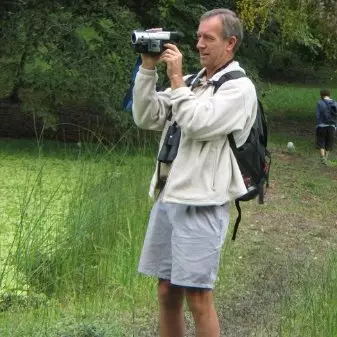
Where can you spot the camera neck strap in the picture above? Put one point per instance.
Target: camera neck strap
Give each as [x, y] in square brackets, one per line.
[224, 66]
[195, 79]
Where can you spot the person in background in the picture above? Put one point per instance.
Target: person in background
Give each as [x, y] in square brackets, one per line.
[325, 124]
[190, 217]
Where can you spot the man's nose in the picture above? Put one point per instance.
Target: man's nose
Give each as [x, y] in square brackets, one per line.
[200, 44]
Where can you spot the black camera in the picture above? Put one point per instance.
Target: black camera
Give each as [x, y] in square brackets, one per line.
[152, 42]
[170, 146]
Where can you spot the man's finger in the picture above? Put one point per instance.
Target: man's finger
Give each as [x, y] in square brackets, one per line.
[171, 46]
[154, 30]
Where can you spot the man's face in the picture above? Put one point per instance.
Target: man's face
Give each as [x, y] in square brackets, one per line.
[213, 49]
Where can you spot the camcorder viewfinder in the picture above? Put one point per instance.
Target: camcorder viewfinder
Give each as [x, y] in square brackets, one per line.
[152, 42]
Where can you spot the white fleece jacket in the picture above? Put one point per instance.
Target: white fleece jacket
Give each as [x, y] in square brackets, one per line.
[205, 171]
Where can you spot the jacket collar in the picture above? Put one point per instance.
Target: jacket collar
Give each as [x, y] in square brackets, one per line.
[234, 65]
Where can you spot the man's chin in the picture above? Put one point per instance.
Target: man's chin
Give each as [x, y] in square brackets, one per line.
[203, 62]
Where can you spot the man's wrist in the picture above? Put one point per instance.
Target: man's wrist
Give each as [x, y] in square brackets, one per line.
[148, 66]
[177, 81]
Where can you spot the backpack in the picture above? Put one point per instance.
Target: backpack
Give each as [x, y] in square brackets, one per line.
[330, 114]
[253, 157]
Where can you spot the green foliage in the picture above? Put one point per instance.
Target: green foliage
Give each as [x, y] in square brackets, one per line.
[65, 57]
[184, 16]
[284, 37]
[56, 54]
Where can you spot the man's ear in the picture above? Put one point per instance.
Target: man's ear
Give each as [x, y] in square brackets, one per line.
[231, 43]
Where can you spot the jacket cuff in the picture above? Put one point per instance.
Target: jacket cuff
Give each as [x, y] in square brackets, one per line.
[178, 92]
[148, 72]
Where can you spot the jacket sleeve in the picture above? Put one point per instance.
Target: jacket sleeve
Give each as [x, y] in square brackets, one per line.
[228, 110]
[149, 108]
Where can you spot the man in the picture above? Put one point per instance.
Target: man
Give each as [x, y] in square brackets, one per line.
[325, 124]
[190, 217]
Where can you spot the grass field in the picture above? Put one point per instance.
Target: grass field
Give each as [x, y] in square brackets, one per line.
[72, 223]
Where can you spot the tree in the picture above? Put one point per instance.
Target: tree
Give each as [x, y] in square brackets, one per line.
[298, 22]
[56, 53]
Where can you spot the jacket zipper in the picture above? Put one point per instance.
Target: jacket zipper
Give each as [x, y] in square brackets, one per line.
[214, 168]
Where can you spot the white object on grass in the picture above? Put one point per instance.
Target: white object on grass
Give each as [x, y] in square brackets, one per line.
[291, 146]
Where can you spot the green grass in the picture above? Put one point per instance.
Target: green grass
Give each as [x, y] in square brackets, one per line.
[293, 102]
[72, 227]
[73, 219]
[310, 310]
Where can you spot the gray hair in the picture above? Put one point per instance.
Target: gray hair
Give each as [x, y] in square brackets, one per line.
[231, 24]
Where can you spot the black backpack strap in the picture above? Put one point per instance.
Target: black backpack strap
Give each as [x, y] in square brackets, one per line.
[264, 122]
[238, 219]
[268, 155]
[189, 80]
[237, 202]
[232, 143]
[232, 75]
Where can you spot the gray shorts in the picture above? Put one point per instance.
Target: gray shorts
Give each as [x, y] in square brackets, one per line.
[183, 243]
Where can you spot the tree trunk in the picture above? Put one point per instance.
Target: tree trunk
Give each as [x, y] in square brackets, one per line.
[18, 81]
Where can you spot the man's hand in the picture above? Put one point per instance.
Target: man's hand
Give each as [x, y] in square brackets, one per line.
[150, 61]
[174, 62]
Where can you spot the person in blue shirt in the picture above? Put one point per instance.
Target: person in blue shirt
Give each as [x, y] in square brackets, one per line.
[325, 124]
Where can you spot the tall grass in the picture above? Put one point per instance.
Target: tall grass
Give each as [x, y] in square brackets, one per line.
[77, 226]
[309, 308]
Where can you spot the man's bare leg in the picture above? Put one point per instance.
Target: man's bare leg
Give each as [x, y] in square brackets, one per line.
[324, 159]
[171, 315]
[200, 302]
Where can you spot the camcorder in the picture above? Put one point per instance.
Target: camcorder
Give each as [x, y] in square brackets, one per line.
[152, 42]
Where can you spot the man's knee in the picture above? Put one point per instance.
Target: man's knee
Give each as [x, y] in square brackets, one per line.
[169, 295]
[199, 301]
